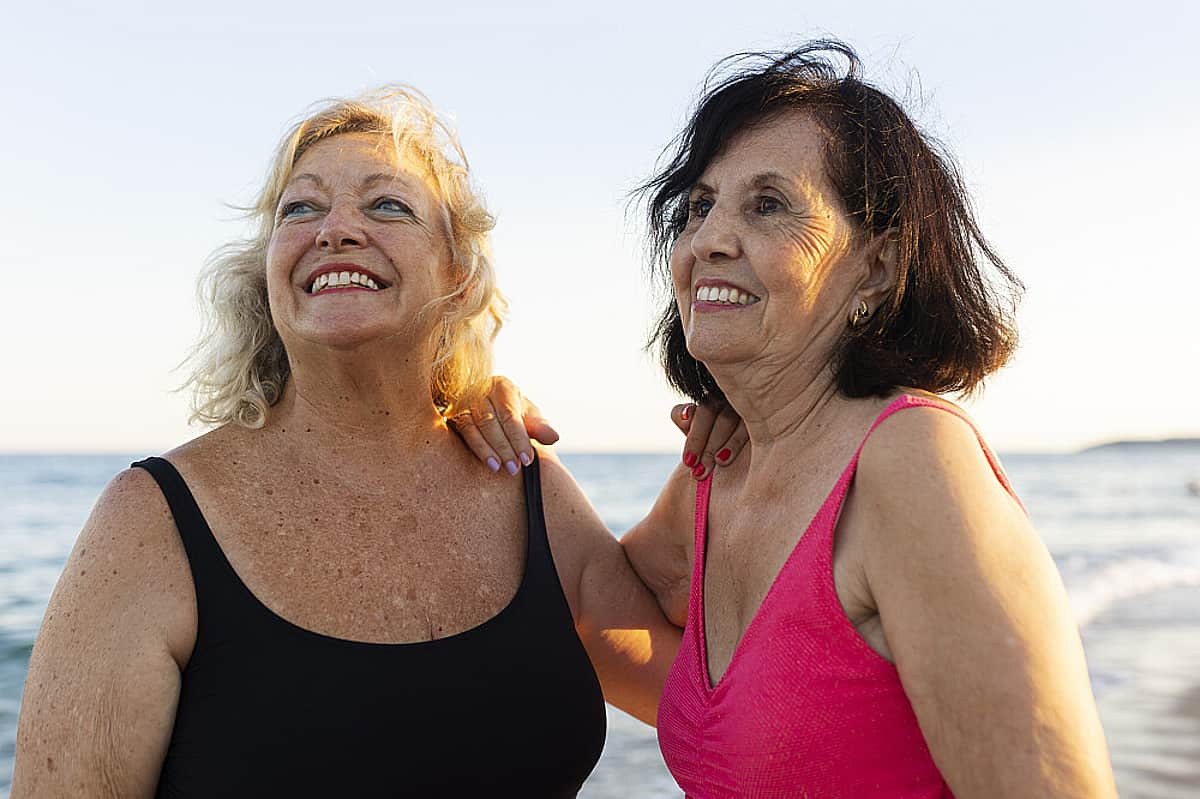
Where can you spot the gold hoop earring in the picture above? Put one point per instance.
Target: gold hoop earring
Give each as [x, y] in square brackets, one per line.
[860, 314]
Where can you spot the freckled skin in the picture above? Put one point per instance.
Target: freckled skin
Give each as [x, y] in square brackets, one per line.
[353, 511]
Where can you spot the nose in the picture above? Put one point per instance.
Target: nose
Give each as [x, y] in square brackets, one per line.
[716, 239]
[341, 229]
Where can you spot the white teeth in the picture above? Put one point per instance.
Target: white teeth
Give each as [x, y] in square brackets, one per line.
[337, 279]
[724, 294]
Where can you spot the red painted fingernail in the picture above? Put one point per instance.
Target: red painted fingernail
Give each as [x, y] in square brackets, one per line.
[686, 413]
[699, 470]
[724, 454]
[689, 459]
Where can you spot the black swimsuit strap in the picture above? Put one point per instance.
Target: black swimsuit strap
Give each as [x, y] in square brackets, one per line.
[203, 553]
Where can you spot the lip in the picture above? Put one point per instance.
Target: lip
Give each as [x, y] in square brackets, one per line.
[344, 267]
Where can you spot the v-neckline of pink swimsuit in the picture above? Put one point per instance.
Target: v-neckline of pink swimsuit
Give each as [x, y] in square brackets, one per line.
[805, 707]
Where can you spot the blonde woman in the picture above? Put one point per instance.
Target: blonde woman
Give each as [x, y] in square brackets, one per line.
[325, 595]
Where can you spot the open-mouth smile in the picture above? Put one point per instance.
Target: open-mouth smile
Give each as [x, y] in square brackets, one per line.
[334, 278]
[723, 294]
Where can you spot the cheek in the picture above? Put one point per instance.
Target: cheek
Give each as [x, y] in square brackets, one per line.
[284, 250]
[681, 277]
[681, 265]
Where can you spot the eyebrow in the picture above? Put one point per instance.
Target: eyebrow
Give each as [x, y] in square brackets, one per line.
[309, 176]
[764, 178]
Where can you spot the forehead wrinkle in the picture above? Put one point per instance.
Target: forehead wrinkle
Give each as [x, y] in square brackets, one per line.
[398, 176]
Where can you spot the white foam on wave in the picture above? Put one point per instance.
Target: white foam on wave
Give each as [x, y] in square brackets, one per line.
[1094, 593]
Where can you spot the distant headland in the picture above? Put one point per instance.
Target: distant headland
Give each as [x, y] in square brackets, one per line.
[1163, 443]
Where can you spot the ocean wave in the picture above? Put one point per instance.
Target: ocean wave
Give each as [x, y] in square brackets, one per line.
[1094, 593]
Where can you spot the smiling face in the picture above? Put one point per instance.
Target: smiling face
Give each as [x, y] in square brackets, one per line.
[765, 265]
[359, 247]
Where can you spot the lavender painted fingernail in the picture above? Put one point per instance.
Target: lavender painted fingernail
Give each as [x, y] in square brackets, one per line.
[493, 464]
[511, 466]
[526, 458]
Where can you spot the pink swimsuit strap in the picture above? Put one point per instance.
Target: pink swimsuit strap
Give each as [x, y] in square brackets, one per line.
[838, 494]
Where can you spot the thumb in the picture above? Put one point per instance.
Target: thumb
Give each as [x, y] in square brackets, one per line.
[536, 425]
[682, 415]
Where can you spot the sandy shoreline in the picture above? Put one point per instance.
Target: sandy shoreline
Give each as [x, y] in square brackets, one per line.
[1141, 656]
[1188, 707]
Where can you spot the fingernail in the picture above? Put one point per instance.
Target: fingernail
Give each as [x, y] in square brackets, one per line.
[511, 466]
[724, 454]
[493, 464]
[698, 471]
[526, 458]
[686, 413]
[689, 459]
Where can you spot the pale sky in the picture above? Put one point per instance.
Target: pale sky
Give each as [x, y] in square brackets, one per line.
[128, 128]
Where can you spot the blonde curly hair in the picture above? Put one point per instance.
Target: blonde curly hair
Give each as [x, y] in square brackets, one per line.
[239, 367]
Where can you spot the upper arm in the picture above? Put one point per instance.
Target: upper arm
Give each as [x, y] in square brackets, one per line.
[103, 679]
[976, 617]
[660, 546]
[629, 641]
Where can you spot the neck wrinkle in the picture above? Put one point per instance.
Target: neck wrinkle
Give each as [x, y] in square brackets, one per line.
[351, 400]
[786, 409]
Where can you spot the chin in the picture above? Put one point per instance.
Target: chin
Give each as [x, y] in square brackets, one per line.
[711, 350]
[350, 337]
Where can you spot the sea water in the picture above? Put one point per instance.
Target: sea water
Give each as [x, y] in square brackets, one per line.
[1122, 523]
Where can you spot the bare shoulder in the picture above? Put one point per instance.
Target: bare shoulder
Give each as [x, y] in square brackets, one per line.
[130, 516]
[103, 677]
[575, 530]
[129, 556]
[556, 480]
[931, 500]
[975, 614]
[563, 501]
[922, 454]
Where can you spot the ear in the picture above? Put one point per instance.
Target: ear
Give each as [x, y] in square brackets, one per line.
[882, 269]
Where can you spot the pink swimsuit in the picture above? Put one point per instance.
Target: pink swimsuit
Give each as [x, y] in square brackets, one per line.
[806, 708]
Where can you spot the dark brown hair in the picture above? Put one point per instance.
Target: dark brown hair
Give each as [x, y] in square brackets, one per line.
[950, 319]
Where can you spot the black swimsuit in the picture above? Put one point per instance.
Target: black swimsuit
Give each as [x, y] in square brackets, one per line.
[509, 708]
